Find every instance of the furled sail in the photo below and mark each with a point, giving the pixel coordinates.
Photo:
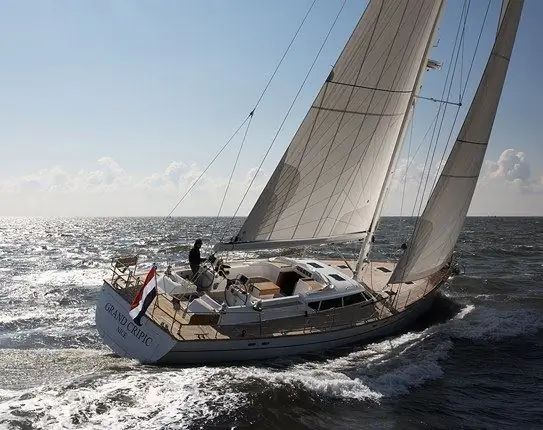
(438, 228)
(327, 184)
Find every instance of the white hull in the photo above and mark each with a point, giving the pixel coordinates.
(152, 344)
(148, 343)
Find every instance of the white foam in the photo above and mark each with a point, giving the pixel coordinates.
(129, 400)
(495, 324)
(11, 317)
(182, 397)
(413, 370)
(321, 381)
(383, 369)
(8, 394)
(466, 310)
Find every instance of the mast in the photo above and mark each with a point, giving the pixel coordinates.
(440, 224)
(368, 240)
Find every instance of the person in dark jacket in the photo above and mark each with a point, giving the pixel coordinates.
(194, 257)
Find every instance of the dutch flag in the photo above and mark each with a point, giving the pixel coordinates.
(144, 297)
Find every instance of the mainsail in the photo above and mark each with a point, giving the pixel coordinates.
(438, 228)
(327, 185)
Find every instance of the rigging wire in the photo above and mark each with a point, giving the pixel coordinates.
(419, 146)
(343, 258)
(440, 113)
(284, 55)
(251, 114)
(209, 165)
(462, 49)
(458, 55)
(289, 110)
(463, 93)
(407, 166)
(231, 174)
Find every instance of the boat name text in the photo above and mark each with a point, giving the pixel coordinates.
(126, 325)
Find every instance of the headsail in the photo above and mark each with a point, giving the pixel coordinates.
(438, 228)
(328, 182)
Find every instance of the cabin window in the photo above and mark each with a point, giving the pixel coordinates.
(329, 304)
(281, 304)
(352, 299)
(367, 296)
(318, 266)
(383, 269)
(314, 305)
(303, 271)
(336, 277)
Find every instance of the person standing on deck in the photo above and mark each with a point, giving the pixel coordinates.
(194, 257)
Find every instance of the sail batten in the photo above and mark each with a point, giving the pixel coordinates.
(329, 180)
(387, 90)
(357, 112)
(440, 224)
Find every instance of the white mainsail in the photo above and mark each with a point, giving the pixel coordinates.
(438, 228)
(327, 185)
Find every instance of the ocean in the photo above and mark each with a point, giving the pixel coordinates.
(474, 361)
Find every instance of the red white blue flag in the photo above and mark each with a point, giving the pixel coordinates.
(145, 296)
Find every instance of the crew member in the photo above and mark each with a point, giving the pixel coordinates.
(194, 257)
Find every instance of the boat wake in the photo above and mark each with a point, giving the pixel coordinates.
(104, 391)
(110, 398)
(490, 324)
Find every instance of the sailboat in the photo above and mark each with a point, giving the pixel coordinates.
(329, 187)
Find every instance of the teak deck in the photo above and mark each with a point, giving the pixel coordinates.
(170, 313)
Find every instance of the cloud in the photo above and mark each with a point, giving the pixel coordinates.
(406, 172)
(110, 190)
(176, 175)
(507, 186)
(513, 168)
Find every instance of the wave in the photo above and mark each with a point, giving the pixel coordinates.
(175, 248)
(380, 370)
(122, 394)
(85, 277)
(490, 324)
(125, 401)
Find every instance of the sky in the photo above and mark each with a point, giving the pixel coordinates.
(114, 108)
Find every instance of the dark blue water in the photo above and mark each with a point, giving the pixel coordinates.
(476, 361)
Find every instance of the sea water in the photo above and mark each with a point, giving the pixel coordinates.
(475, 361)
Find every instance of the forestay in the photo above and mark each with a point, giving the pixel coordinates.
(327, 184)
(438, 228)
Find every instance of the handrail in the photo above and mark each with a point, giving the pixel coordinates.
(259, 328)
(308, 327)
(124, 269)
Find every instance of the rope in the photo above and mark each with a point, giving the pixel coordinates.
(209, 165)
(288, 111)
(232, 174)
(284, 55)
(417, 224)
(251, 114)
(463, 93)
(444, 106)
(343, 257)
(399, 234)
